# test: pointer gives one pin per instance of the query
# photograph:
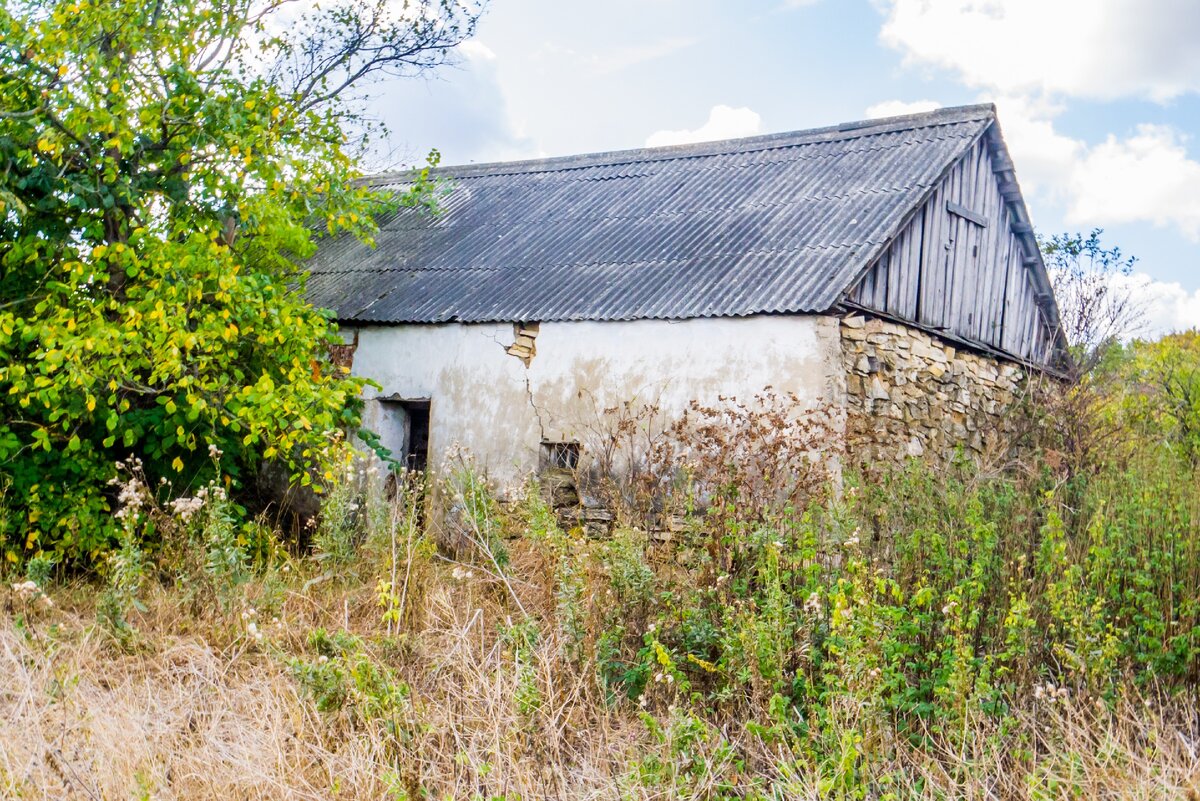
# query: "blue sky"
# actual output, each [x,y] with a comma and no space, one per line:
[1099,100]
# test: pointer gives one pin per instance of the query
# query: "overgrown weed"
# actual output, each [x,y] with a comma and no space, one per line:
[925,633]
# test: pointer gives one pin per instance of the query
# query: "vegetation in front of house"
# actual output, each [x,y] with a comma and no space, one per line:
[167,167]
[968,631]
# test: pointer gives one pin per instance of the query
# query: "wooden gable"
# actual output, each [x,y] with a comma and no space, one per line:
[966,265]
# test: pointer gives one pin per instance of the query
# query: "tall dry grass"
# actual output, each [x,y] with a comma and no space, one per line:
[198,708]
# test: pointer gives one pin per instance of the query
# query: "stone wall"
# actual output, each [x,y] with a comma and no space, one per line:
[911,394]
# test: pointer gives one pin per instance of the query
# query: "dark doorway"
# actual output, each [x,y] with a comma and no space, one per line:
[416,445]
[403,428]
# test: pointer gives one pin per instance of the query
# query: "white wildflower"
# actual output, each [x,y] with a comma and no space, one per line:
[813,606]
[185,508]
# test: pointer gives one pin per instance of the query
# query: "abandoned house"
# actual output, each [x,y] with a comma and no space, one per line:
[886,268]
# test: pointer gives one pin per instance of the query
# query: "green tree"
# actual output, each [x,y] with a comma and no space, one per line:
[1161,391]
[167,167]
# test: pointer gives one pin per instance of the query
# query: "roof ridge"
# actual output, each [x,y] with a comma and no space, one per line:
[833,133]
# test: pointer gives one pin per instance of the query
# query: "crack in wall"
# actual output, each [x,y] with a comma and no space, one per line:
[537,413]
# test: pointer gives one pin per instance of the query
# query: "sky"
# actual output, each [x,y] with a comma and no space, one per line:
[1098,100]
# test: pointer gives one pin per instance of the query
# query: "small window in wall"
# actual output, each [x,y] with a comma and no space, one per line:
[404,430]
[561,455]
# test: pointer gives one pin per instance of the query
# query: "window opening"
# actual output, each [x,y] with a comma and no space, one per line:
[561,455]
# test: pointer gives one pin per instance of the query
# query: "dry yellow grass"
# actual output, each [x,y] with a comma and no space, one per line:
[198,709]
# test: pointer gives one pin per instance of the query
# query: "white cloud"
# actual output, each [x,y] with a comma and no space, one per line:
[1147,177]
[1099,49]
[724,122]
[1045,158]
[1029,56]
[898,108]
[1167,306]
[464,113]
[476,50]
[617,59]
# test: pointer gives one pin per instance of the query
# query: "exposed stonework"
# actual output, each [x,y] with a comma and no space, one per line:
[910,394]
[524,346]
[343,355]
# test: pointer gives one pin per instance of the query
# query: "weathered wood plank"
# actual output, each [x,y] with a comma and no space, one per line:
[960,265]
[967,214]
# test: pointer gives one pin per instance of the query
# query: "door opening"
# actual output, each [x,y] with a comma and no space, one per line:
[416,445]
[403,428]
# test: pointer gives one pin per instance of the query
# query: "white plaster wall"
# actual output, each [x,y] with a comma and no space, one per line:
[498,409]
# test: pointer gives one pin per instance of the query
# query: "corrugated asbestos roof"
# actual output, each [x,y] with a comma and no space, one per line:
[779,223]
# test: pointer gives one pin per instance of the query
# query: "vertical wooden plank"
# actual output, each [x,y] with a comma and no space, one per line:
[988,263]
[881,281]
[956,240]
[966,311]
[865,293]
[999,300]
[1029,313]
[999,245]
[933,278]
[911,268]
[913,251]
[895,277]
[1013,296]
